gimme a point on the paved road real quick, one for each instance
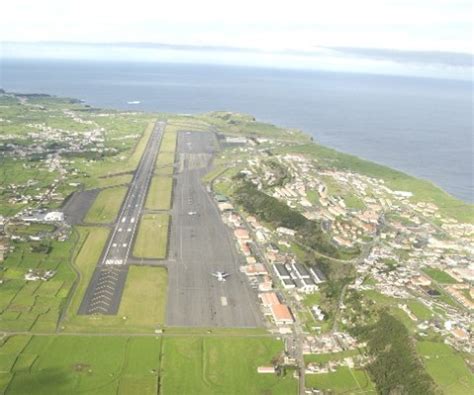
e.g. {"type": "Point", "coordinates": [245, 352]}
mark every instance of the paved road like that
{"type": "Point", "coordinates": [200, 244]}
{"type": "Point", "coordinates": [105, 289]}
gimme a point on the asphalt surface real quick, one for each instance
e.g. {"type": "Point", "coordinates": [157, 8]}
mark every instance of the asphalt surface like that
{"type": "Point", "coordinates": [77, 206]}
{"type": "Point", "coordinates": [200, 244]}
{"type": "Point", "coordinates": [106, 287]}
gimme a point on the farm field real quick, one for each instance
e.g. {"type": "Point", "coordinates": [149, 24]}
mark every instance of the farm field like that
{"type": "Point", "coordinates": [214, 365]}
{"type": "Point", "coordinates": [344, 380]}
{"type": "Point", "coordinates": [160, 193]}
{"type": "Point", "coordinates": [35, 305]}
{"type": "Point", "coordinates": [106, 206]}
{"type": "Point", "coordinates": [152, 239]}
{"type": "Point", "coordinates": [446, 367]}
{"type": "Point", "coordinates": [79, 364]}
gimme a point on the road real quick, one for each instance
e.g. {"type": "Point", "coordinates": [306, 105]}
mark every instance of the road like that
{"type": "Point", "coordinates": [200, 244]}
{"type": "Point", "coordinates": [105, 289]}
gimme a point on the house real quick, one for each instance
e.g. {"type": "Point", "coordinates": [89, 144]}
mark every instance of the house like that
{"type": "Point", "coordinates": [285, 231]}
{"type": "Point", "coordinates": [241, 234]}
{"type": "Point", "coordinates": [266, 369]}
{"type": "Point", "coordinates": [281, 314]}
{"type": "Point", "coordinates": [269, 298]}
{"type": "Point", "coordinates": [281, 271]}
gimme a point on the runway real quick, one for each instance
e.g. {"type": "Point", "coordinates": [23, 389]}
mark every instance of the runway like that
{"type": "Point", "coordinates": [200, 244]}
{"type": "Point", "coordinates": [105, 289]}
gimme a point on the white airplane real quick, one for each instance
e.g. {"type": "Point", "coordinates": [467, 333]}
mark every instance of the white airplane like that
{"type": "Point", "coordinates": [221, 276]}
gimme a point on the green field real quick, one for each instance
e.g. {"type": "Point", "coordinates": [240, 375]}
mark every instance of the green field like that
{"type": "Point", "coordinates": [144, 298]}
{"type": "Point", "coordinates": [419, 309]}
{"type": "Point", "coordinates": [439, 275]}
{"type": "Point", "coordinates": [106, 206]}
{"type": "Point", "coordinates": [342, 381]}
{"type": "Point", "coordinates": [198, 365]}
{"type": "Point", "coordinates": [164, 163]}
{"type": "Point", "coordinates": [160, 193]}
{"type": "Point", "coordinates": [446, 367]}
{"type": "Point", "coordinates": [132, 365]}
{"type": "Point", "coordinates": [152, 238]}
{"type": "Point", "coordinates": [142, 307]}
{"type": "Point", "coordinates": [168, 144]}
{"type": "Point", "coordinates": [35, 305]}
{"type": "Point", "coordinates": [107, 182]}
{"type": "Point", "coordinates": [79, 364]}
{"type": "Point", "coordinates": [166, 156]}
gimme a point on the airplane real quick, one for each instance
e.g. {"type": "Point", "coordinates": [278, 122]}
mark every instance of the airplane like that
{"type": "Point", "coordinates": [221, 276]}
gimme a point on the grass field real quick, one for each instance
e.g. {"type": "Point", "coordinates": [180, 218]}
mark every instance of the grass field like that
{"type": "Point", "coordinates": [144, 298]}
{"type": "Point", "coordinates": [79, 364]}
{"type": "Point", "coordinates": [439, 275]}
{"type": "Point", "coordinates": [160, 193]}
{"type": "Point", "coordinates": [197, 365]}
{"type": "Point", "coordinates": [142, 307]}
{"type": "Point", "coordinates": [131, 365]}
{"type": "Point", "coordinates": [152, 238]}
{"type": "Point", "coordinates": [342, 381]}
{"type": "Point", "coordinates": [419, 309]}
{"type": "Point", "coordinates": [106, 206]}
{"type": "Point", "coordinates": [447, 368]}
{"type": "Point", "coordinates": [168, 144]}
{"type": "Point", "coordinates": [164, 163]}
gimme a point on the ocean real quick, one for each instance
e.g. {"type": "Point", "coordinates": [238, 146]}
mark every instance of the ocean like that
{"type": "Point", "coordinates": [421, 126]}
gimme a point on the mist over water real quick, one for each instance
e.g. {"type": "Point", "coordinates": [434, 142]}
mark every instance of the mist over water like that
{"type": "Point", "coordinates": [421, 126]}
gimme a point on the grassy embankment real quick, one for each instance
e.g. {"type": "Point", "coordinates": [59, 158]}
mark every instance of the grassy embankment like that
{"type": "Point", "coordinates": [446, 367]}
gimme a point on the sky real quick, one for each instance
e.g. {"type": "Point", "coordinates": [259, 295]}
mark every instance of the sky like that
{"type": "Point", "coordinates": [307, 27]}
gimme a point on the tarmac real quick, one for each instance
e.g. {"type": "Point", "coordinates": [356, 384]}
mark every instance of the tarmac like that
{"type": "Point", "coordinates": [200, 244]}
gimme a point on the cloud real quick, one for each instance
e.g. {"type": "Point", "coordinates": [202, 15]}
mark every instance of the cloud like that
{"type": "Point", "coordinates": [428, 25]}
{"type": "Point", "coordinates": [417, 57]}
